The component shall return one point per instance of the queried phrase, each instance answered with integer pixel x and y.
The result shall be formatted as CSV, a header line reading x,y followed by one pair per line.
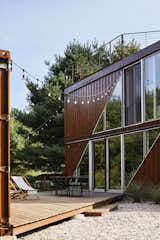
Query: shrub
x,y
155,194
142,193
134,192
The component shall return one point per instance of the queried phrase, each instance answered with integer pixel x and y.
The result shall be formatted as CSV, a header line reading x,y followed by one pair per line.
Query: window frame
x,y
123,93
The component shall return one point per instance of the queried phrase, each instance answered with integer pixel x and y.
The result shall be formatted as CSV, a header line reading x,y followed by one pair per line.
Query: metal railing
x,y
141,39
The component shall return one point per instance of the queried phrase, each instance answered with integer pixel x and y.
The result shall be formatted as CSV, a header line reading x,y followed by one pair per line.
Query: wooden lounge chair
x,y
23,185
16,193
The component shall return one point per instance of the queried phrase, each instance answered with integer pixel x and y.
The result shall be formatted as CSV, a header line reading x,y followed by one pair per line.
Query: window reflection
x,y
133,154
115,163
114,106
152,86
99,164
132,90
82,172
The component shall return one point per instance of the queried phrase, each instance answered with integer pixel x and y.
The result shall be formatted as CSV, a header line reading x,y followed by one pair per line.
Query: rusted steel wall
x,y
149,170
81,119
5,227
73,153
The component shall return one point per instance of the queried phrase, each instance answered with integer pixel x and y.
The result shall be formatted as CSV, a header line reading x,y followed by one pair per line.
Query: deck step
x,y
101,211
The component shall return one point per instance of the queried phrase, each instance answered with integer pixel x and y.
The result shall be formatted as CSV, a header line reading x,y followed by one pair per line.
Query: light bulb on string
x,y
23,74
11,65
102,97
68,100
93,100
97,98
75,102
88,101
82,102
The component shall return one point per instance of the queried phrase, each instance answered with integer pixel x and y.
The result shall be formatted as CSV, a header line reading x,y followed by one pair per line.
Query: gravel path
x,y
132,221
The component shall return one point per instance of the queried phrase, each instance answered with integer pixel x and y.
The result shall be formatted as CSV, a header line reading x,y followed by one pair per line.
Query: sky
x,y
35,30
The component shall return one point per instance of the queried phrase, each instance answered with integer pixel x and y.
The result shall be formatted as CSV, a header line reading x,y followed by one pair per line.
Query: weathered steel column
x,y
5,225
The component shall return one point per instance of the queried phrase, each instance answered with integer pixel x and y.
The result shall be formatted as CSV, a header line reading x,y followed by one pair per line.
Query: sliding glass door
x,y
132,94
114,163
99,164
107,166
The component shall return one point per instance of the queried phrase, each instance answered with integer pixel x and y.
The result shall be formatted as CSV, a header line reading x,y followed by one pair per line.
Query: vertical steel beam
x,y
122,164
5,225
91,158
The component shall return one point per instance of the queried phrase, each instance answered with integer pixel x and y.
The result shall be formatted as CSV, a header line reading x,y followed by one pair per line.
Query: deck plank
x,y
27,215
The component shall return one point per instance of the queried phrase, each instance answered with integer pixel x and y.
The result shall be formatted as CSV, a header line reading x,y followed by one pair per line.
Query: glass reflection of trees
x,y
83,169
100,125
133,154
132,92
99,164
151,137
111,117
152,86
113,108
115,163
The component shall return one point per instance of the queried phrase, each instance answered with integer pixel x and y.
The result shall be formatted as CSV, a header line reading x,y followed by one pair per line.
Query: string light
x,y
11,65
92,98
24,71
41,127
23,74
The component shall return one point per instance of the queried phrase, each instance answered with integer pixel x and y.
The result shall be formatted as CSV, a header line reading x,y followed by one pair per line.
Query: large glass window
x,y
132,91
152,86
112,114
99,164
151,136
82,172
114,106
115,163
100,125
133,154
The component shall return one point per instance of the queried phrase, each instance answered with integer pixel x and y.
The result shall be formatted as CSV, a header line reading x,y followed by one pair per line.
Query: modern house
x,y
112,123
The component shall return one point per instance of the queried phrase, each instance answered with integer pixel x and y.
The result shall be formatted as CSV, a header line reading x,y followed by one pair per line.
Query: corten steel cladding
x,y
5,226
80,119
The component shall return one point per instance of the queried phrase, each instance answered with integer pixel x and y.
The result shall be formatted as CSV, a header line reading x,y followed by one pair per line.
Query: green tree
x,y
43,149
124,50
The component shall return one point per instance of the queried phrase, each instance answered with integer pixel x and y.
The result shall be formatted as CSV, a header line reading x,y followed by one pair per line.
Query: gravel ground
x,y
132,221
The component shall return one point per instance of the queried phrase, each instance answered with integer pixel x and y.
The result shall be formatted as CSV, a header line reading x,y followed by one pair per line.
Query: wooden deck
x,y
27,215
